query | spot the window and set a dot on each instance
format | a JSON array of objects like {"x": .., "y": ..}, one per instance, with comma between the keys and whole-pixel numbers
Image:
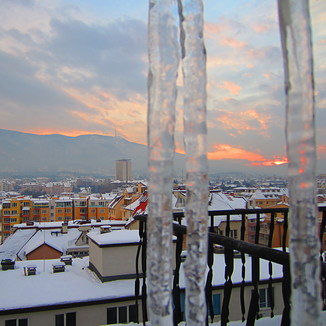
[
  {"x": 6, "y": 212},
  {"x": 13, "y": 220},
  {"x": 123, "y": 314},
  {"x": 234, "y": 234},
  {"x": 17, "y": 322},
  {"x": 59, "y": 211},
  {"x": 68, "y": 210},
  {"x": 264, "y": 299},
  {"x": 68, "y": 319},
  {"x": 14, "y": 205}
]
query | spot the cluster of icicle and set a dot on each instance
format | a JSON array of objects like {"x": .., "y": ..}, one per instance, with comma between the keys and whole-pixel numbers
[
  {"x": 296, "y": 40},
  {"x": 178, "y": 39},
  {"x": 166, "y": 51}
]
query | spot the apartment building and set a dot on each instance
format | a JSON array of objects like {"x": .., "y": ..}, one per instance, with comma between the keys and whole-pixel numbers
[{"x": 101, "y": 289}]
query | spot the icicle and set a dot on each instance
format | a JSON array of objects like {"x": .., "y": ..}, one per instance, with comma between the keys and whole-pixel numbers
[
  {"x": 300, "y": 131},
  {"x": 194, "y": 72},
  {"x": 163, "y": 67}
]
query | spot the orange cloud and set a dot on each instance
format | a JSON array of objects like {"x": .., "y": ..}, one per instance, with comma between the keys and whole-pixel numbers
[
  {"x": 217, "y": 61},
  {"x": 70, "y": 133},
  {"x": 233, "y": 88},
  {"x": 233, "y": 43},
  {"x": 244, "y": 121},
  {"x": 106, "y": 111},
  {"x": 212, "y": 29},
  {"x": 225, "y": 151},
  {"x": 271, "y": 162},
  {"x": 261, "y": 28}
]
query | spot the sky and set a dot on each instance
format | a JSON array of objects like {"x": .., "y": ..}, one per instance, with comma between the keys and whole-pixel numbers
[{"x": 76, "y": 67}]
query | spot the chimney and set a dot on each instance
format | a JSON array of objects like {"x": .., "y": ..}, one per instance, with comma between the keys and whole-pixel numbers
[
  {"x": 64, "y": 229},
  {"x": 105, "y": 229}
]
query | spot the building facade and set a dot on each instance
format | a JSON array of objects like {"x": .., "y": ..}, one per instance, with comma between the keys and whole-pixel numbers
[{"x": 123, "y": 170}]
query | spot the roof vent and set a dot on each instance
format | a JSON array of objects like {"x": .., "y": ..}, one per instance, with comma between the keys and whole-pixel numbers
[
  {"x": 7, "y": 264},
  {"x": 30, "y": 270},
  {"x": 58, "y": 267},
  {"x": 105, "y": 229},
  {"x": 67, "y": 260}
]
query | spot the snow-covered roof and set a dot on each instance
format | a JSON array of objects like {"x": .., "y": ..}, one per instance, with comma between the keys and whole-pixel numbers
[
  {"x": 76, "y": 284},
  {"x": 258, "y": 194},
  {"x": 79, "y": 284},
  {"x": 55, "y": 239},
  {"x": 15, "y": 242},
  {"x": 115, "y": 237},
  {"x": 219, "y": 201},
  {"x": 71, "y": 224}
]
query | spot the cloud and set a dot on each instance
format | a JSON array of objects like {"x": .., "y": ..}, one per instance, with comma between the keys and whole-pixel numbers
[
  {"x": 233, "y": 88},
  {"x": 261, "y": 28},
  {"x": 239, "y": 122},
  {"x": 231, "y": 42},
  {"x": 73, "y": 75},
  {"x": 225, "y": 151}
]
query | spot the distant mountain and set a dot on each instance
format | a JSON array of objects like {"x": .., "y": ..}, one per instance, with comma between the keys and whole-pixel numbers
[{"x": 30, "y": 154}]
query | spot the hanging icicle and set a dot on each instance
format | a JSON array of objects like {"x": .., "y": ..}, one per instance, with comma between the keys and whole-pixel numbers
[
  {"x": 163, "y": 68},
  {"x": 301, "y": 148},
  {"x": 194, "y": 94}
]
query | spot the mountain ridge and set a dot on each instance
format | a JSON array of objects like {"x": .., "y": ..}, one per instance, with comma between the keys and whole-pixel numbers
[{"x": 28, "y": 154}]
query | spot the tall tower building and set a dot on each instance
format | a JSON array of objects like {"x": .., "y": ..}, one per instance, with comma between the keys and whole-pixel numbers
[{"x": 123, "y": 170}]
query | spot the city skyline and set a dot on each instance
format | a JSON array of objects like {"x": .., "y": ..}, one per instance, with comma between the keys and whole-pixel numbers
[{"x": 75, "y": 67}]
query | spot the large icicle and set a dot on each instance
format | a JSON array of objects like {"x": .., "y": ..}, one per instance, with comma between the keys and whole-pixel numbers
[
  {"x": 301, "y": 148},
  {"x": 163, "y": 68},
  {"x": 194, "y": 72}
]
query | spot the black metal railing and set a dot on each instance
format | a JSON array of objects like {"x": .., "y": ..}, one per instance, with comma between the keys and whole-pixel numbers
[{"x": 242, "y": 246}]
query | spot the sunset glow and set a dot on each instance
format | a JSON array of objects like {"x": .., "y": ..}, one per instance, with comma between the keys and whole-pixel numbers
[
  {"x": 225, "y": 151},
  {"x": 85, "y": 72}
]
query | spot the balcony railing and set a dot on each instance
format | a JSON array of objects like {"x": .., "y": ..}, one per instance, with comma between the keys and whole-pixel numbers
[{"x": 231, "y": 246}]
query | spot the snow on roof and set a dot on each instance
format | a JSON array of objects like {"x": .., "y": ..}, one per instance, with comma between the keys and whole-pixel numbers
[
  {"x": 275, "y": 321},
  {"x": 218, "y": 201},
  {"x": 108, "y": 196},
  {"x": 218, "y": 273},
  {"x": 76, "y": 284},
  {"x": 134, "y": 205},
  {"x": 115, "y": 201},
  {"x": 74, "y": 223},
  {"x": 115, "y": 237},
  {"x": 15, "y": 242},
  {"x": 79, "y": 284},
  {"x": 54, "y": 239},
  {"x": 258, "y": 194}
]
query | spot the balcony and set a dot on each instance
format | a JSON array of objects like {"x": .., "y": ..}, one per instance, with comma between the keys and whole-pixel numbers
[{"x": 233, "y": 249}]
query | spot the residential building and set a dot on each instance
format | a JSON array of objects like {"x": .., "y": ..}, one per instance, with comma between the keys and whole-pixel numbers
[
  {"x": 74, "y": 295},
  {"x": 123, "y": 170}
]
